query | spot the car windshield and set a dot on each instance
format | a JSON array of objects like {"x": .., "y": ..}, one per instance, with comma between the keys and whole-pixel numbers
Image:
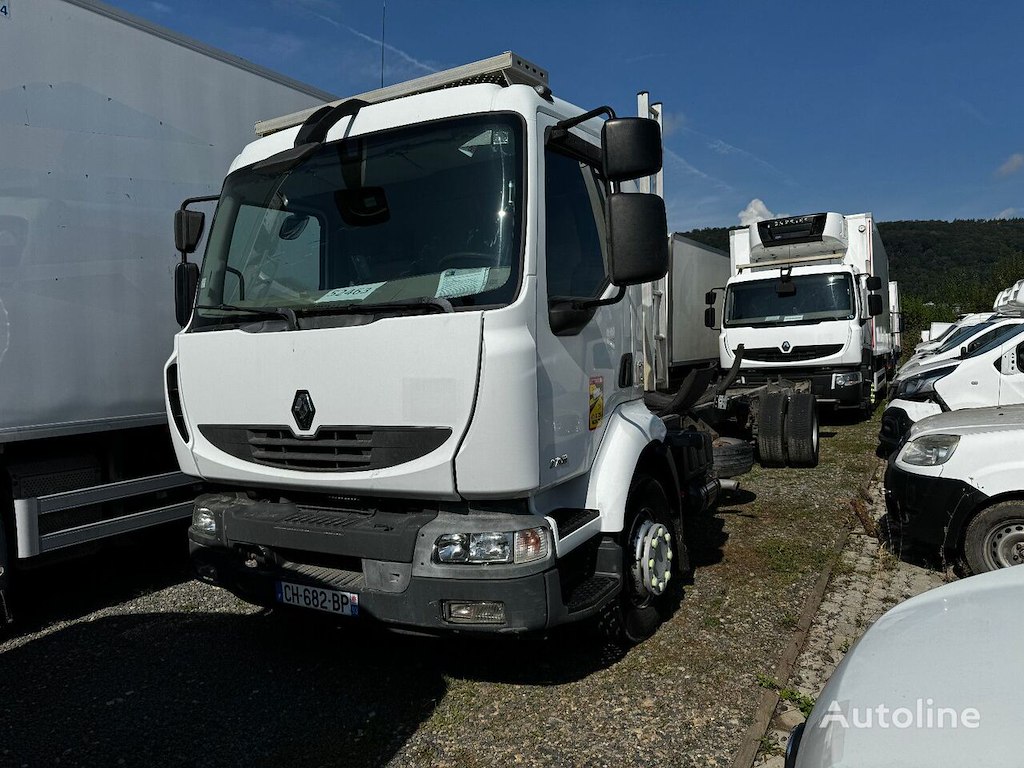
[
  {"x": 962, "y": 334},
  {"x": 430, "y": 213},
  {"x": 996, "y": 338},
  {"x": 811, "y": 299}
]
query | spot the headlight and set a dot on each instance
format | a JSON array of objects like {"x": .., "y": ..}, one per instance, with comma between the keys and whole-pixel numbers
[
  {"x": 930, "y": 450},
  {"x": 924, "y": 384},
  {"x": 203, "y": 520},
  {"x": 846, "y": 379},
  {"x": 518, "y": 547}
]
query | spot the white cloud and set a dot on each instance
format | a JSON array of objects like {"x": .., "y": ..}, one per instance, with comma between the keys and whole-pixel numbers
[
  {"x": 1013, "y": 164},
  {"x": 160, "y": 7},
  {"x": 755, "y": 211},
  {"x": 1007, "y": 213}
]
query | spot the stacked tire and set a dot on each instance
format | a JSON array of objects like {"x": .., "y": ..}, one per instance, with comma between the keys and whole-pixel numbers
[{"x": 787, "y": 433}]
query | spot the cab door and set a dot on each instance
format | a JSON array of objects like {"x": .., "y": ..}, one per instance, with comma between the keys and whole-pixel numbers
[{"x": 578, "y": 366}]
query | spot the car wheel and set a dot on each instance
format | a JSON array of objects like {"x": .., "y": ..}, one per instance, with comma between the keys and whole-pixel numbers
[{"x": 995, "y": 537}]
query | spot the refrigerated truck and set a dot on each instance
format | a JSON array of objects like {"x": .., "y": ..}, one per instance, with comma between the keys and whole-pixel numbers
[
  {"x": 107, "y": 122},
  {"x": 694, "y": 270},
  {"x": 442, "y": 310},
  {"x": 809, "y": 301}
]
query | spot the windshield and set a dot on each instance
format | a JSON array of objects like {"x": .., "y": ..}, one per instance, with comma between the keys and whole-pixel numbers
[
  {"x": 993, "y": 339},
  {"x": 429, "y": 212},
  {"x": 812, "y": 299},
  {"x": 960, "y": 335}
]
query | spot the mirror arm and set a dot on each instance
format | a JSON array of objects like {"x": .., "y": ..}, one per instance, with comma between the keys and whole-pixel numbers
[{"x": 591, "y": 303}]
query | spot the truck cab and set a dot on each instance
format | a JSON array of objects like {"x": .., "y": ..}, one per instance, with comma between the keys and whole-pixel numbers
[
  {"x": 414, "y": 361},
  {"x": 805, "y": 301}
]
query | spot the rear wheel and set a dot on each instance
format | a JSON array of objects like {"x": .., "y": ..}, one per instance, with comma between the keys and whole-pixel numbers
[
  {"x": 771, "y": 419},
  {"x": 995, "y": 537},
  {"x": 651, "y": 551},
  {"x": 802, "y": 430}
]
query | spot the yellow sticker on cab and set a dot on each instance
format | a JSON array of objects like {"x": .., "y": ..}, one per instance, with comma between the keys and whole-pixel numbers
[{"x": 596, "y": 401}]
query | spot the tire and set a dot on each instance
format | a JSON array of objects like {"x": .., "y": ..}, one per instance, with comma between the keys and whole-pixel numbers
[
  {"x": 732, "y": 456},
  {"x": 771, "y": 443},
  {"x": 5, "y": 579},
  {"x": 995, "y": 537},
  {"x": 802, "y": 430},
  {"x": 638, "y": 611}
]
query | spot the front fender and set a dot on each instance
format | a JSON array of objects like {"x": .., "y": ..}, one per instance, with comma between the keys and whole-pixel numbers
[{"x": 631, "y": 428}]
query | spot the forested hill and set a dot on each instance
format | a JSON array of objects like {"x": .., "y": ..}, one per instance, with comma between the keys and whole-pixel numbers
[{"x": 962, "y": 263}]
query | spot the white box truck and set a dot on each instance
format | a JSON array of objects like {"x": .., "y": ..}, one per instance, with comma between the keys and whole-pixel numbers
[
  {"x": 107, "y": 122},
  {"x": 809, "y": 301},
  {"x": 415, "y": 362}
]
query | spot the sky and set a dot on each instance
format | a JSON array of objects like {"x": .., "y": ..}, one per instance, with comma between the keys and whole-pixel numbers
[{"x": 906, "y": 108}]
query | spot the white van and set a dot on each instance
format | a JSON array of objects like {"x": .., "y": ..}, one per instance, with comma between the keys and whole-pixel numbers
[{"x": 990, "y": 375}]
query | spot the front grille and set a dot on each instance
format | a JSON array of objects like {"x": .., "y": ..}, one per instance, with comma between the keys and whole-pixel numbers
[
  {"x": 776, "y": 355},
  {"x": 331, "y": 449}
]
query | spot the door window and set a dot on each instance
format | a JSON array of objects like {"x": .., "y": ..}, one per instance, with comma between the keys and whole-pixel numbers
[{"x": 574, "y": 211}]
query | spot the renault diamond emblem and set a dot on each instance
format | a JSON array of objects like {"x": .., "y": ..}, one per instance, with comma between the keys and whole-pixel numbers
[
  {"x": 303, "y": 410},
  {"x": 785, "y": 346}
]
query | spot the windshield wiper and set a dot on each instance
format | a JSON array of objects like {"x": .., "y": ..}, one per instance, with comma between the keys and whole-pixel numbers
[
  {"x": 421, "y": 302},
  {"x": 292, "y": 323}
]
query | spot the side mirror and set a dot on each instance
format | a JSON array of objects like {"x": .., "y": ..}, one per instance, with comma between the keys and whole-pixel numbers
[
  {"x": 186, "y": 279},
  {"x": 709, "y": 318},
  {"x": 630, "y": 148},
  {"x": 874, "y": 283},
  {"x": 874, "y": 304},
  {"x": 963, "y": 352},
  {"x": 709, "y": 298},
  {"x": 637, "y": 238},
  {"x": 188, "y": 229}
]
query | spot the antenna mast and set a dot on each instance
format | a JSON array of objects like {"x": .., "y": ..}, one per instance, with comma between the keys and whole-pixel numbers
[{"x": 383, "y": 16}]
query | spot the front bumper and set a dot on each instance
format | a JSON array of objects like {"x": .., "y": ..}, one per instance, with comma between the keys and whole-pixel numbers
[
  {"x": 823, "y": 383},
  {"x": 387, "y": 561},
  {"x": 930, "y": 511}
]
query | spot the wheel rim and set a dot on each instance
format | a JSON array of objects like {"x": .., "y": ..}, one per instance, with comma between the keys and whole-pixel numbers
[
  {"x": 651, "y": 548},
  {"x": 1004, "y": 544},
  {"x": 814, "y": 431}
]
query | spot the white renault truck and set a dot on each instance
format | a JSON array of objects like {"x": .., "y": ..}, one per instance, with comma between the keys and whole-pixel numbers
[
  {"x": 106, "y": 120},
  {"x": 414, "y": 362},
  {"x": 809, "y": 301}
]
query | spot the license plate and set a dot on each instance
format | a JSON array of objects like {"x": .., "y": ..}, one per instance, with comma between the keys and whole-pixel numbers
[{"x": 327, "y": 600}]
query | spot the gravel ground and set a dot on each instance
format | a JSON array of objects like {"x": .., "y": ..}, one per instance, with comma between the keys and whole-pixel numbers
[
  {"x": 121, "y": 660},
  {"x": 867, "y": 581}
]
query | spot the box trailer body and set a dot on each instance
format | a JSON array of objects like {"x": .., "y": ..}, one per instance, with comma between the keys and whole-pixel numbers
[
  {"x": 449, "y": 431},
  {"x": 799, "y": 303},
  {"x": 694, "y": 270},
  {"x": 107, "y": 123}
]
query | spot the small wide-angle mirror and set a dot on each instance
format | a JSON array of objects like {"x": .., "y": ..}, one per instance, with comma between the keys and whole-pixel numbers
[
  {"x": 188, "y": 230},
  {"x": 874, "y": 304},
  {"x": 709, "y": 298},
  {"x": 630, "y": 148}
]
